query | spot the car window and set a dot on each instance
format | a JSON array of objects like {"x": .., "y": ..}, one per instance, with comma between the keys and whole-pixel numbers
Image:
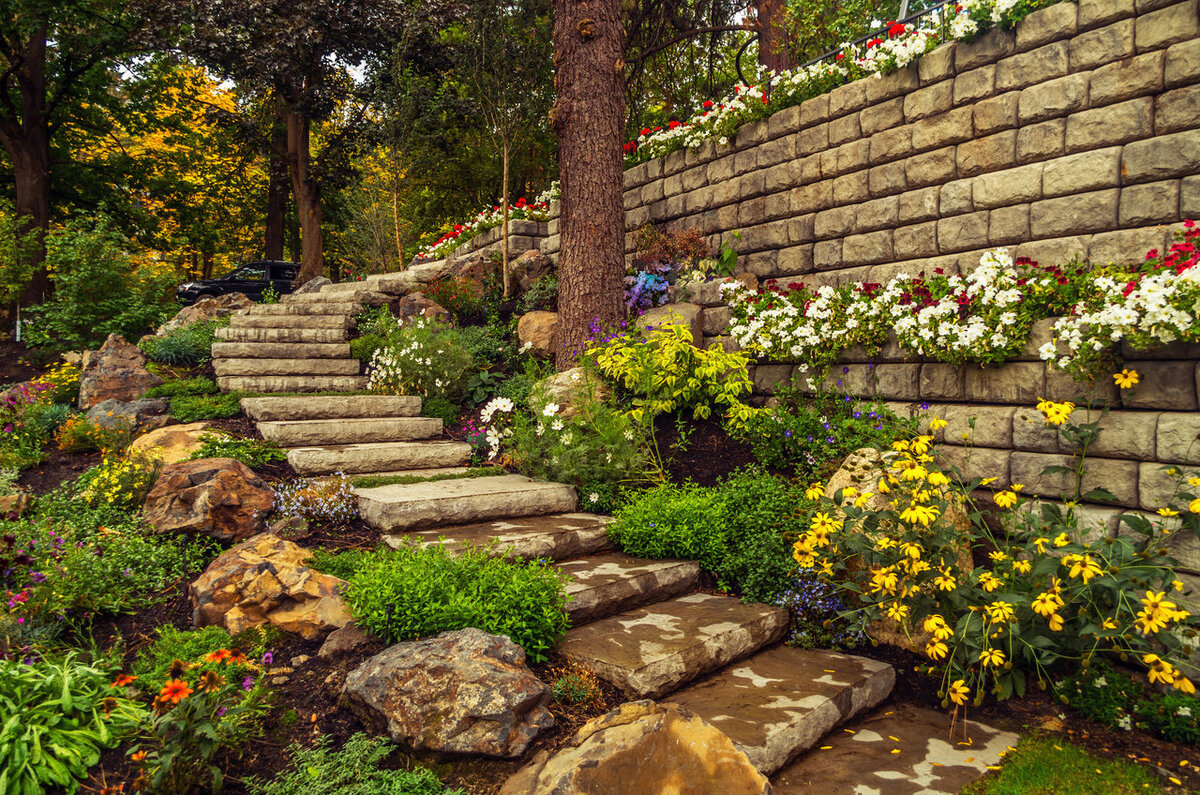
[
  {"x": 281, "y": 273},
  {"x": 249, "y": 273}
]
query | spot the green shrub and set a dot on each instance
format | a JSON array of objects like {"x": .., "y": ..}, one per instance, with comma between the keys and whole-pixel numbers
[
  {"x": 422, "y": 358},
  {"x": 517, "y": 388},
  {"x": 122, "y": 481},
  {"x": 363, "y": 348},
  {"x": 413, "y": 593},
  {"x": 171, "y": 644},
  {"x": 192, "y": 408},
  {"x": 440, "y": 408},
  {"x": 490, "y": 345},
  {"x": 254, "y": 453},
  {"x": 183, "y": 386},
  {"x": 1106, "y": 695},
  {"x": 673, "y": 522},
  {"x": 542, "y": 294},
  {"x": 186, "y": 346},
  {"x": 353, "y": 769}
]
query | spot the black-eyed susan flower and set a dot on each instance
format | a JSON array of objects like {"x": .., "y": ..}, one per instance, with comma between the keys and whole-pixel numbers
[{"x": 1126, "y": 378}]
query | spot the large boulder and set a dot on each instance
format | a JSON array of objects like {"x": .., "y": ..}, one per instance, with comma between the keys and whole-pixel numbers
[
  {"x": 217, "y": 497},
  {"x": 415, "y": 306},
  {"x": 173, "y": 443},
  {"x": 209, "y": 307},
  {"x": 476, "y": 267},
  {"x": 464, "y": 692},
  {"x": 146, "y": 414},
  {"x": 264, "y": 581},
  {"x": 570, "y": 388},
  {"x": 645, "y": 746},
  {"x": 117, "y": 371},
  {"x": 540, "y": 331},
  {"x": 689, "y": 315},
  {"x": 529, "y": 267}
]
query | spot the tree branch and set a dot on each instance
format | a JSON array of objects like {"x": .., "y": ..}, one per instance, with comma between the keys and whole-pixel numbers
[{"x": 690, "y": 34}]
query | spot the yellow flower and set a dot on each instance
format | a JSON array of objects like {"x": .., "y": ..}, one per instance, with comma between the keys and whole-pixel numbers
[
  {"x": 849, "y": 491},
  {"x": 897, "y": 611},
  {"x": 1177, "y": 585},
  {"x": 938, "y": 479},
  {"x": 989, "y": 582},
  {"x": 883, "y": 486},
  {"x": 997, "y": 556},
  {"x": 920, "y": 445},
  {"x": 823, "y": 521},
  {"x": 1062, "y": 540},
  {"x": 1000, "y": 612},
  {"x": 1041, "y": 543},
  {"x": 1160, "y": 669},
  {"x": 1126, "y": 378},
  {"x": 936, "y": 650},
  {"x": 914, "y": 473},
  {"x": 863, "y": 499},
  {"x": 958, "y": 692},
  {"x": 1055, "y": 413},
  {"x": 911, "y": 550},
  {"x": 919, "y": 514},
  {"x": 1194, "y": 506},
  {"x": 1046, "y": 604},
  {"x": 1005, "y": 499},
  {"x": 884, "y": 581},
  {"x": 1056, "y": 622},
  {"x": 934, "y": 622},
  {"x": 1109, "y": 623},
  {"x": 993, "y": 658},
  {"x": 988, "y": 481},
  {"x": 1082, "y": 566},
  {"x": 945, "y": 582},
  {"x": 900, "y": 445},
  {"x": 1167, "y": 512},
  {"x": 1184, "y": 684},
  {"x": 1194, "y": 481},
  {"x": 1022, "y": 566},
  {"x": 815, "y": 491}
]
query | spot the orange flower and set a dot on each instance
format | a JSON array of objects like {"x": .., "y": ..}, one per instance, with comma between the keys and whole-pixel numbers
[
  {"x": 218, "y": 655},
  {"x": 138, "y": 756},
  {"x": 174, "y": 691},
  {"x": 122, "y": 681},
  {"x": 211, "y": 682},
  {"x": 236, "y": 658}
]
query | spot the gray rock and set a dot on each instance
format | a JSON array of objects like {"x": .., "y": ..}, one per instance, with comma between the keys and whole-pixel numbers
[
  {"x": 147, "y": 414},
  {"x": 312, "y": 285},
  {"x": 343, "y": 640},
  {"x": 207, "y": 308}
]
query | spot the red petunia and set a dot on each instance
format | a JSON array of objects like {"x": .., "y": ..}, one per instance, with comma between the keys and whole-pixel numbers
[
  {"x": 645, "y": 131},
  {"x": 672, "y": 124},
  {"x": 896, "y": 29},
  {"x": 708, "y": 103}
]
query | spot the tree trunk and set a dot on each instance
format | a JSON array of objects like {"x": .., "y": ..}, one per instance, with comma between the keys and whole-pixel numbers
[
  {"x": 588, "y": 116},
  {"x": 277, "y": 190},
  {"x": 396, "y": 212},
  {"x": 773, "y": 52},
  {"x": 307, "y": 193},
  {"x": 504, "y": 273}
]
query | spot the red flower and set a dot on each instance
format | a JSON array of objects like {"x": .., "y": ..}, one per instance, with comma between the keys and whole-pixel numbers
[
  {"x": 123, "y": 680},
  {"x": 708, "y": 103},
  {"x": 672, "y": 124},
  {"x": 521, "y": 202},
  {"x": 874, "y": 42},
  {"x": 1129, "y": 288},
  {"x": 896, "y": 29},
  {"x": 839, "y": 56},
  {"x": 174, "y": 691},
  {"x": 645, "y": 131}
]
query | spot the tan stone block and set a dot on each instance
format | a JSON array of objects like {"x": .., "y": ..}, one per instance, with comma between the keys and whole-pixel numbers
[
  {"x": 784, "y": 122},
  {"x": 812, "y": 197},
  {"x": 852, "y": 156},
  {"x": 1162, "y": 157},
  {"x": 891, "y": 144},
  {"x": 1150, "y": 203},
  {"x": 877, "y": 214},
  {"x": 829, "y": 163},
  {"x": 764, "y": 264},
  {"x": 796, "y": 260},
  {"x": 1124, "y": 246},
  {"x": 1178, "y": 438},
  {"x": 1164, "y": 385},
  {"x": 948, "y": 128},
  {"x": 1008, "y": 225},
  {"x": 851, "y": 188},
  {"x": 997, "y": 113},
  {"x": 696, "y": 177},
  {"x": 769, "y": 377},
  {"x": 1123, "y": 434},
  {"x": 988, "y": 48},
  {"x": 975, "y": 85},
  {"x": 1100, "y": 168},
  {"x": 942, "y": 382},
  {"x": 929, "y": 101},
  {"x": 936, "y": 65},
  {"x": 748, "y": 136},
  {"x": 1057, "y": 250},
  {"x": 931, "y": 168},
  {"x": 963, "y": 232},
  {"x": 1053, "y": 98},
  {"x": 802, "y": 229},
  {"x": 844, "y": 129},
  {"x": 1047, "y": 24},
  {"x": 980, "y": 426},
  {"x": 778, "y": 151},
  {"x": 976, "y": 463},
  {"x": 1030, "y": 432},
  {"x": 1156, "y": 486},
  {"x": 810, "y": 169},
  {"x": 827, "y": 255},
  {"x": 1182, "y": 64},
  {"x": 1177, "y": 110},
  {"x": 1102, "y": 45},
  {"x": 745, "y": 161},
  {"x": 812, "y": 140},
  {"x": 1012, "y": 186},
  {"x": 897, "y": 381},
  {"x": 769, "y": 235},
  {"x": 834, "y": 222},
  {"x": 1093, "y": 13},
  {"x": 1040, "y": 141},
  {"x": 1015, "y": 382},
  {"x": 919, "y": 205},
  {"x": 1029, "y": 68},
  {"x": 1124, "y": 79},
  {"x": 883, "y": 116},
  {"x": 919, "y": 240},
  {"x": 751, "y": 212},
  {"x": 1189, "y": 198},
  {"x": 866, "y": 249},
  {"x": 1118, "y": 477},
  {"x": 720, "y": 169},
  {"x": 955, "y": 197},
  {"x": 1167, "y": 26},
  {"x": 674, "y": 162},
  {"x": 1114, "y": 124},
  {"x": 990, "y": 153},
  {"x": 897, "y": 84},
  {"x": 815, "y": 110},
  {"x": 847, "y": 99},
  {"x": 1071, "y": 215}
]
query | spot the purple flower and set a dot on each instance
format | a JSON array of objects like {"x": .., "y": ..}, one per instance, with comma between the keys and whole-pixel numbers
[
  {"x": 37, "y": 576},
  {"x": 247, "y": 683},
  {"x": 787, "y": 434},
  {"x": 845, "y": 370},
  {"x": 268, "y": 658},
  {"x": 925, "y": 406}
]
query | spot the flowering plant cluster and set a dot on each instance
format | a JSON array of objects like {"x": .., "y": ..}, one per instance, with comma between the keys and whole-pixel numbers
[
  {"x": 489, "y": 218},
  {"x": 424, "y": 357},
  {"x": 1111, "y": 697},
  {"x": 323, "y": 500},
  {"x": 904, "y": 548},
  {"x": 122, "y": 481},
  {"x": 893, "y": 48}
]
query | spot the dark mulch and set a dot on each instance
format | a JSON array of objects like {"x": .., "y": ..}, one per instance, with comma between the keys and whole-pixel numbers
[
  {"x": 17, "y": 364},
  {"x": 699, "y": 450},
  {"x": 58, "y": 468}
]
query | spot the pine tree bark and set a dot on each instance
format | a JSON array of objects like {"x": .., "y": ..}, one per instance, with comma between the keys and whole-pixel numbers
[
  {"x": 307, "y": 193},
  {"x": 773, "y": 52},
  {"x": 588, "y": 116}
]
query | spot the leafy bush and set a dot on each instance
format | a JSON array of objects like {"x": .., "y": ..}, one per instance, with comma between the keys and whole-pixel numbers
[
  {"x": 23, "y": 431},
  {"x": 186, "y": 346},
  {"x": 192, "y": 408},
  {"x": 353, "y": 769},
  {"x": 542, "y": 294},
  {"x": 489, "y": 346},
  {"x": 1106, "y": 695},
  {"x": 324, "y": 500},
  {"x": 460, "y": 296},
  {"x": 57, "y": 716},
  {"x": 441, "y": 409},
  {"x": 173, "y": 644},
  {"x": 183, "y": 386},
  {"x": 671, "y": 521},
  {"x": 422, "y": 358},
  {"x": 77, "y": 434},
  {"x": 413, "y": 593},
  {"x": 254, "y": 453},
  {"x": 122, "y": 481}
]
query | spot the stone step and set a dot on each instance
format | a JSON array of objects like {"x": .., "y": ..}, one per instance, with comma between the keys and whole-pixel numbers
[
  {"x": 465, "y": 501},
  {"x": 330, "y": 407},
  {"x": 375, "y": 457},
  {"x": 350, "y": 430},
  {"x": 290, "y": 335},
  {"x": 361, "y": 297},
  {"x": 326, "y": 307},
  {"x": 782, "y": 701},
  {"x": 281, "y": 350},
  {"x": 606, "y": 584},
  {"x": 416, "y": 473},
  {"x": 651, "y": 651},
  {"x": 286, "y": 366},
  {"x": 898, "y": 748},
  {"x": 292, "y": 383},
  {"x": 558, "y": 536},
  {"x": 291, "y": 321}
]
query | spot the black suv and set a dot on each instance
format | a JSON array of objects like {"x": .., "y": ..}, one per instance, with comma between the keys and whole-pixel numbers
[{"x": 251, "y": 279}]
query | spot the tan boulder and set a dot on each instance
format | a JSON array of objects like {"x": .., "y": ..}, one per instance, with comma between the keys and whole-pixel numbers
[
  {"x": 264, "y": 581},
  {"x": 540, "y": 331},
  {"x": 529, "y": 267},
  {"x": 641, "y": 746},
  {"x": 173, "y": 443},
  {"x": 218, "y": 497},
  {"x": 115, "y": 372},
  {"x": 209, "y": 307},
  {"x": 569, "y": 389},
  {"x": 689, "y": 315},
  {"x": 12, "y": 506},
  {"x": 416, "y": 305}
]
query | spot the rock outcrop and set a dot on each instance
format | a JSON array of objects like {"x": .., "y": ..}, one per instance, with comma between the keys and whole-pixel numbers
[
  {"x": 218, "y": 497},
  {"x": 115, "y": 372}
]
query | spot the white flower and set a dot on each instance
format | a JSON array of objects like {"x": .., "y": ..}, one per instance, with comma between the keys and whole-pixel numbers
[
  {"x": 594, "y": 497},
  {"x": 1125, "y": 723},
  {"x": 1101, "y": 682},
  {"x": 550, "y": 409},
  {"x": 1184, "y": 712},
  {"x": 557, "y": 424}
]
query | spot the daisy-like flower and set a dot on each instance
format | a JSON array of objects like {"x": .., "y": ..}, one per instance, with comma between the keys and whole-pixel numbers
[
  {"x": 958, "y": 692},
  {"x": 220, "y": 655},
  {"x": 992, "y": 658},
  {"x": 174, "y": 691},
  {"x": 936, "y": 650},
  {"x": 814, "y": 491},
  {"x": 937, "y": 423},
  {"x": 211, "y": 682},
  {"x": 550, "y": 409},
  {"x": 923, "y": 515},
  {"x": 1126, "y": 378},
  {"x": 123, "y": 681},
  {"x": 1082, "y": 567},
  {"x": 1005, "y": 499}
]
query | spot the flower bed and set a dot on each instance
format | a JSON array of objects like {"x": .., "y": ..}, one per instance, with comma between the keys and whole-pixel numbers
[{"x": 489, "y": 218}]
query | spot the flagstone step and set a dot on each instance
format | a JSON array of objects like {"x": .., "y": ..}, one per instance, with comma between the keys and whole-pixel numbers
[
  {"x": 286, "y": 366},
  {"x": 606, "y": 584},
  {"x": 898, "y": 748},
  {"x": 416, "y": 473},
  {"x": 291, "y": 321},
  {"x": 782, "y": 701},
  {"x": 326, "y": 307},
  {"x": 556, "y": 536},
  {"x": 464, "y": 501},
  {"x": 281, "y": 350},
  {"x": 362, "y": 297},
  {"x": 331, "y": 407},
  {"x": 377, "y": 457},
  {"x": 650, "y": 651},
  {"x": 292, "y": 383},
  {"x": 301, "y": 335},
  {"x": 349, "y": 430}
]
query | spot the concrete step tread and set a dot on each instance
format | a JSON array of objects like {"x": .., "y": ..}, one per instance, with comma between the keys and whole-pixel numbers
[
  {"x": 932, "y": 755},
  {"x": 252, "y": 367},
  {"x": 782, "y": 701},
  {"x": 555, "y": 536},
  {"x": 349, "y": 430},
  {"x": 330, "y": 407},
  {"x": 464, "y": 501},
  {"x": 611, "y": 583},
  {"x": 278, "y": 335},
  {"x": 280, "y": 350},
  {"x": 650, "y": 651},
  {"x": 292, "y": 383},
  {"x": 370, "y": 458}
]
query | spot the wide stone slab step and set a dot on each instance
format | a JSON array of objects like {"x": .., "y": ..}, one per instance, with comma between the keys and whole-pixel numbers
[
  {"x": 464, "y": 501},
  {"x": 301, "y": 335},
  {"x": 900, "y": 749},
  {"x": 281, "y": 350},
  {"x": 651, "y": 651},
  {"x": 291, "y": 321},
  {"x": 782, "y": 701},
  {"x": 376, "y": 457},
  {"x": 352, "y": 430},
  {"x": 606, "y": 584},
  {"x": 292, "y": 383},
  {"x": 286, "y": 366},
  {"x": 326, "y": 307},
  {"x": 557, "y": 537},
  {"x": 330, "y": 407},
  {"x": 361, "y": 297}
]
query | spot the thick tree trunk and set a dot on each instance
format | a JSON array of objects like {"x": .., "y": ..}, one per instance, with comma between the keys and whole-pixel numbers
[
  {"x": 773, "y": 52},
  {"x": 307, "y": 193},
  {"x": 277, "y": 191},
  {"x": 588, "y": 116}
]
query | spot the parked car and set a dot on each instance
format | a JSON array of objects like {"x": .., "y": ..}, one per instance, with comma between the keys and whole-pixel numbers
[{"x": 251, "y": 279}]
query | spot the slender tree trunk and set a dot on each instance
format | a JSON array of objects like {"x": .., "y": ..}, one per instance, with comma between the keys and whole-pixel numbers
[
  {"x": 396, "y": 212},
  {"x": 588, "y": 116},
  {"x": 307, "y": 193},
  {"x": 773, "y": 52},
  {"x": 504, "y": 273},
  {"x": 277, "y": 189}
]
